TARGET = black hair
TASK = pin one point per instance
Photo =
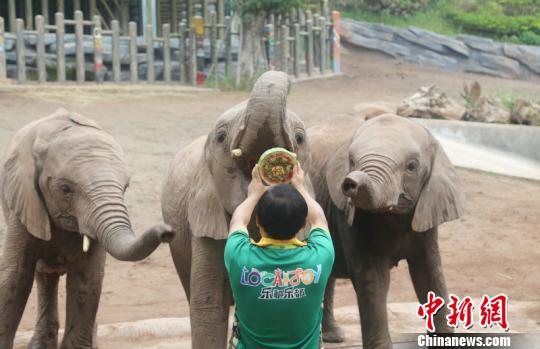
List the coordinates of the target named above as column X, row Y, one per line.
column 281, row 211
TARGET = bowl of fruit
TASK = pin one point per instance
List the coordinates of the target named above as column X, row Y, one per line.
column 276, row 166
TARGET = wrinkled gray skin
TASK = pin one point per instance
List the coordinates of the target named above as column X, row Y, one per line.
column 385, row 185
column 206, row 182
column 64, row 177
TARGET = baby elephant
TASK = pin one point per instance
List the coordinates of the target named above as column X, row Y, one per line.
column 385, row 184
column 63, row 187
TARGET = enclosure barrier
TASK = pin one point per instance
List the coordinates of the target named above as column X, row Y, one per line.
column 302, row 44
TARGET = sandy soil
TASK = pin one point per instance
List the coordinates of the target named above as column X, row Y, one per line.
column 493, row 248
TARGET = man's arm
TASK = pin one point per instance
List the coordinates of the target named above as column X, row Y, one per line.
column 242, row 214
column 315, row 217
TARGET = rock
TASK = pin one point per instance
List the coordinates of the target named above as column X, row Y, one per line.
column 432, row 59
column 424, row 41
column 525, row 113
column 452, row 44
column 368, row 30
column 480, row 44
column 429, row 104
column 529, row 56
column 506, row 66
column 482, row 109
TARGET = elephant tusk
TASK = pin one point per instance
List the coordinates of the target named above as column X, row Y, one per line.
column 236, row 152
column 86, row 243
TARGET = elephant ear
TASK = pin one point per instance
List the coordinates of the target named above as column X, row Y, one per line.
column 206, row 215
column 20, row 181
column 441, row 199
column 337, row 169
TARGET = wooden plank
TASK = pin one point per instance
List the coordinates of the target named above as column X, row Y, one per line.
column 3, row 72
column 192, row 56
column 12, row 16
column 115, row 27
column 323, row 37
column 166, row 30
column 40, row 49
column 21, row 62
column 45, row 10
column 133, row 66
column 79, row 47
column 29, row 14
column 182, row 51
column 60, row 53
column 309, row 55
column 150, row 71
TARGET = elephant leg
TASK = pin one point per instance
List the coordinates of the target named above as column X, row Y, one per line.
column 210, row 294
column 46, row 330
column 17, row 266
column 84, row 281
column 371, row 284
column 332, row 333
column 180, row 248
column 426, row 272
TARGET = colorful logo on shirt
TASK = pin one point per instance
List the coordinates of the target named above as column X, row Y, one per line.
column 281, row 284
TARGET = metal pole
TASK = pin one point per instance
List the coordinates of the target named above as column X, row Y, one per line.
column 166, row 52
column 40, row 49
column 21, row 63
column 60, row 53
column 150, row 72
column 133, row 66
column 115, row 27
column 79, row 40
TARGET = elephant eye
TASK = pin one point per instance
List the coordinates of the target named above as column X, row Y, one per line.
column 412, row 166
column 299, row 138
column 220, row 137
column 65, row 188
column 351, row 162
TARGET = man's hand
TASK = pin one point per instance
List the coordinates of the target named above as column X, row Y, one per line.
column 256, row 186
column 298, row 178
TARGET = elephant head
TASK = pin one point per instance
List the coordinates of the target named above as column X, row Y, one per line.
column 234, row 146
column 65, row 172
column 395, row 165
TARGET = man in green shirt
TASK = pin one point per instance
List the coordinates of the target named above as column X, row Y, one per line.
column 278, row 283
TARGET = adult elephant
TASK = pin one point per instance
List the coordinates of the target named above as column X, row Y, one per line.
column 63, row 186
column 385, row 185
column 207, row 180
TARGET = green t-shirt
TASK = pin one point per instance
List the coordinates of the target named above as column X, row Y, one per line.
column 278, row 290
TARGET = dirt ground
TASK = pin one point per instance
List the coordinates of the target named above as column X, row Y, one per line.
column 493, row 248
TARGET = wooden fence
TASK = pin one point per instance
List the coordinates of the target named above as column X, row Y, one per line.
column 302, row 44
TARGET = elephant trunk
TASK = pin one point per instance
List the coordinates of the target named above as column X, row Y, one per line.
column 265, row 114
column 363, row 191
column 108, row 221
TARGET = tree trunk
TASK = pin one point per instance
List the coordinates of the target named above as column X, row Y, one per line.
column 252, row 59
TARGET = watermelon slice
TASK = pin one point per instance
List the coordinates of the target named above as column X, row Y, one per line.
column 276, row 166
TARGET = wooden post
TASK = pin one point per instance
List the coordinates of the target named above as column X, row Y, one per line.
column 21, row 62
column 283, row 48
column 192, row 56
column 12, row 16
column 98, row 50
column 76, row 5
column 205, row 11
column 323, row 37
column 166, row 52
column 150, row 72
column 213, row 46
column 93, row 8
column 133, row 66
column 60, row 53
column 149, row 18
column 3, row 73
column 189, row 12
column 316, row 41
column 309, row 56
column 221, row 15
column 174, row 16
column 79, row 40
column 182, row 51
column 45, row 10
column 228, row 46
column 115, row 27
column 336, row 52
column 40, row 49
column 29, row 14
column 124, row 15
column 297, row 45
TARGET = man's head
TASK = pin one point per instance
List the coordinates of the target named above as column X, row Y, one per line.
column 281, row 212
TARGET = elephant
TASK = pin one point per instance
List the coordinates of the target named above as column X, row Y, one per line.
column 207, row 180
column 62, row 192
column 385, row 185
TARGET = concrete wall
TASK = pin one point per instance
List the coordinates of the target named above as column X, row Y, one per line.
column 460, row 53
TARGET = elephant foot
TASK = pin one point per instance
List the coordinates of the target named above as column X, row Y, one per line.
column 44, row 341
column 332, row 333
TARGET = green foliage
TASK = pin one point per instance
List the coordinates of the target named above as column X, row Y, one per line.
column 265, row 7
column 386, row 7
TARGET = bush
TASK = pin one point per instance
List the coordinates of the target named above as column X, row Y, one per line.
column 498, row 25
column 389, row 7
